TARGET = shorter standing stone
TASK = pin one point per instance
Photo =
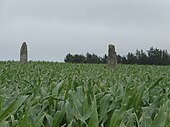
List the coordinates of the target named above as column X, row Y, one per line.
column 23, row 54
column 112, row 59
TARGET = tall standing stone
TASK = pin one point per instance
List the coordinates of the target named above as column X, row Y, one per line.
column 23, row 53
column 112, row 59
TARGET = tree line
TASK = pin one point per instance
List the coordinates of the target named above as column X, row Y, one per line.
column 88, row 58
column 153, row 56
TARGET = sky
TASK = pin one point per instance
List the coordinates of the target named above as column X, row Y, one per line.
column 54, row 28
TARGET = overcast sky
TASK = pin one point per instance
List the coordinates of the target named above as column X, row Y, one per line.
column 54, row 28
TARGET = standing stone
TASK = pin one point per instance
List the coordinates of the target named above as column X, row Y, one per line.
column 112, row 59
column 23, row 54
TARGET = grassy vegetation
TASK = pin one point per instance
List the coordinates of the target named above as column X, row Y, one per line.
column 44, row 94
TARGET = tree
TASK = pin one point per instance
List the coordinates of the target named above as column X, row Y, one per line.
column 78, row 58
column 165, row 58
column 131, row 59
column 88, row 58
column 124, row 60
column 153, row 56
column 69, row 58
column 119, row 59
column 141, row 57
column 104, row 59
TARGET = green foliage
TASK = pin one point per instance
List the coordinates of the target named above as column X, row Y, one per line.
column 153, row 56
column 89, row 58
column 46, row 94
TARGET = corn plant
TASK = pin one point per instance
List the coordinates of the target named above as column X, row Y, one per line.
column 49, row 94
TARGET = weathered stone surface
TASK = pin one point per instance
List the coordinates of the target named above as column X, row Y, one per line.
column 23, row 53
column 112, row 59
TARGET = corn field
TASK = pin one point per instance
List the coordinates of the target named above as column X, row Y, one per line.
column 46, row 94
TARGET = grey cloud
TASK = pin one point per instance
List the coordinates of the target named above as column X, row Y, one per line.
column 54, row 28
